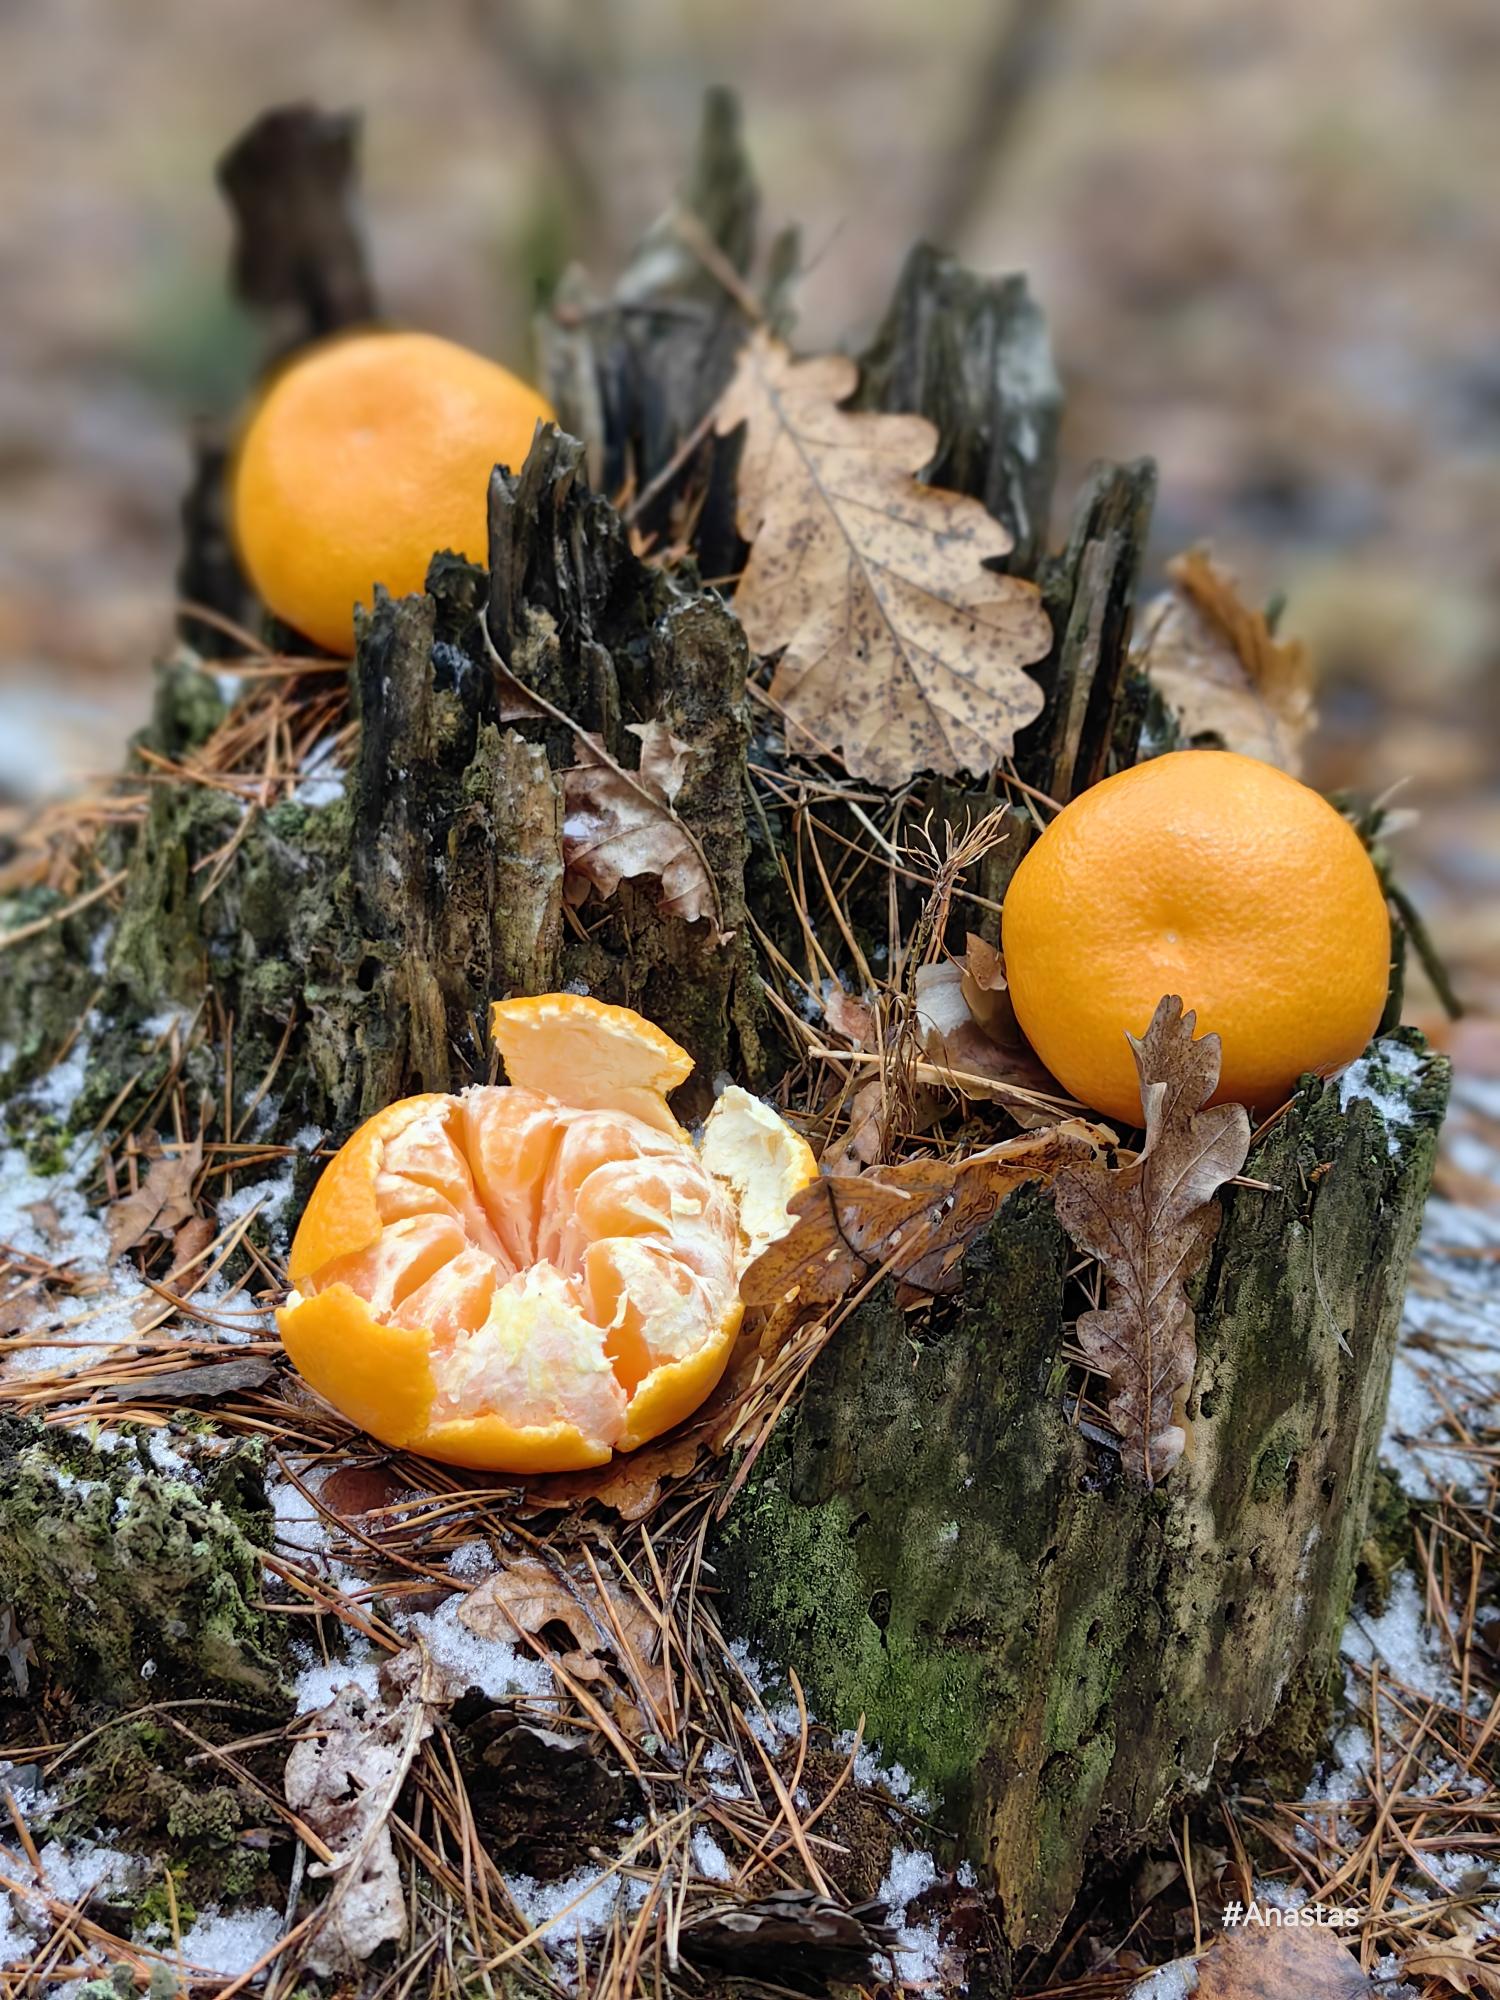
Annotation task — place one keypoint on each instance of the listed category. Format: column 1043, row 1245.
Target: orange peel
column 530, row 1276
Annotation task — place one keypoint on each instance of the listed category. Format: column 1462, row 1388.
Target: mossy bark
column 131, row 1582
column 1060, row 1656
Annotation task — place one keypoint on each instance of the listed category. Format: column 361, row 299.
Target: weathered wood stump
column 1057, row 1655
column 930, row 1539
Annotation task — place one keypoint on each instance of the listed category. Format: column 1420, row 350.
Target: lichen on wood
column 134, row 1582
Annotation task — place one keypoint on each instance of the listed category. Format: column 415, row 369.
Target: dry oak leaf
column 1150, row 1225
column 1217, row 666
column 344, row 1775
column 630, row 1485
column 162, row 1202
column 1456, row 1961
column 527, row 1596
column 901, row 650
column 616, row 827
column 977, row 1061
column 1278, row 1962
column 916, row 1219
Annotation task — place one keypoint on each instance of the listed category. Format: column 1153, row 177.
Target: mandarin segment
column 528, row 1276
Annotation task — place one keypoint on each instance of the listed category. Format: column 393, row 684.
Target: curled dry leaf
column 630, row 1485
column 916, row 1220
column 789, row 1933
column 848, row 1015
column 527, row 1596
column 162, row 1202
column 1150, row 1225
column 617, row 826
column 1270, row 1962
column 901, row 650
column 994, row 1064
column 1218, row 668
column 1456, row 1961
column 344, row 1775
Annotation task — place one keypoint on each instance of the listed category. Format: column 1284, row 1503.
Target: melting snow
column 318, row 1682
column 496, row 1668
column 1169, row 1982
column 322, row 783
column 268, row 1199
column 919, row 1950
column 1368, row 1078
column 1400, row 1640
column 230, row 1944
column 710, row 1860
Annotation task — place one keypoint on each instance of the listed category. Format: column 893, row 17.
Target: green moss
column 156, row 1908
column 1387, row 1546
column 131, row 1584
column 1274, row 1464
column 1060, row 1655
column 1283, row 1757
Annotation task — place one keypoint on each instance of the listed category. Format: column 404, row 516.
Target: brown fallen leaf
column 202, row 1384
column 917, row 1219
column 161, row 1204
column 1150, row 1225
column 1456, row 1961
column 189, row 1243
column 901, row 649
column 783, row 1936
column 1275, row 1962
column 630, row 1485
column 617, row 827
column 982, row 1065
column 848, row 1015
column 344, row 1775
column 1218, row 668
column 528, row 1595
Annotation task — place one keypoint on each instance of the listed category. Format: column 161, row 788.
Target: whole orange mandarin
column 360, row 461
column 1215, row 877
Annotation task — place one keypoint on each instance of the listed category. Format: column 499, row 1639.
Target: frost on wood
column 123, row 1573
column 1056, row 1653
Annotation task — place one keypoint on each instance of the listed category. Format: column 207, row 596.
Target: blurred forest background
column 1268, row 239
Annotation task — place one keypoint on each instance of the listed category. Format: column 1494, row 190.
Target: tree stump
column 1058, row 1656
column 929, row 1538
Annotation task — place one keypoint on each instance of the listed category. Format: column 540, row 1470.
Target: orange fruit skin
column 1215, row 877
column 380, row 1374
column 364, row 457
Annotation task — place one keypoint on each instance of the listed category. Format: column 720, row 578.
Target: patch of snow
column 74, row 1869
column 471, row 1560
column 322, row 782
column 1168, row 1982
column 1400, row 1640
column 308, row 1139
column 919, row 1951
column 156, row 1027
column 231, row 1943
column 496, row 1668
column 541, row 1902
column 1387, row 1059
column 60, row 1089
column 320, row 1680
column 710, row 1860
column 268, row 1199
column 165, row 1457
